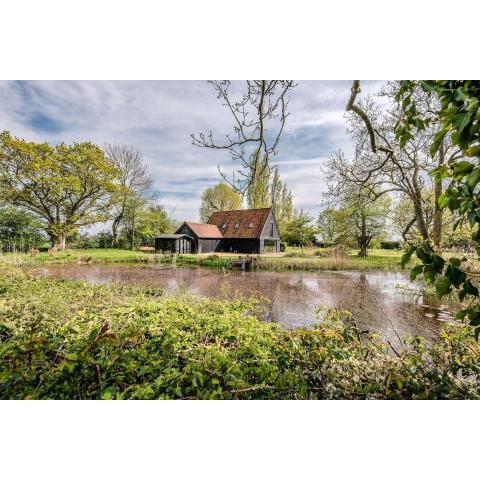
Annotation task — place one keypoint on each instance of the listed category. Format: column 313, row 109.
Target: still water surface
column 377, row 299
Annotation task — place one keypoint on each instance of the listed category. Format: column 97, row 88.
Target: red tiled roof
column 250, row 222
column 203, row 230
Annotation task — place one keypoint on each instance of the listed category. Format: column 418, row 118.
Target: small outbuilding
column 173, row 243
column 235, row 231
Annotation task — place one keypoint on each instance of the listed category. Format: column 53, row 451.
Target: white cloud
column 157, row 117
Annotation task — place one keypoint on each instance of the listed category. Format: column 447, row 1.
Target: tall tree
column 66, row 186
column 281, row 200
column 151, row 220
column 300, row 230
column 333, row 225
column 259, row 113
column 258, row 191
column 363, row 214
column 135, row 183
column 219, row 198
column 383, row 162
column 19, row 229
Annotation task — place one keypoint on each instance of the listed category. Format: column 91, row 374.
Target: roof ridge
column 242, row 210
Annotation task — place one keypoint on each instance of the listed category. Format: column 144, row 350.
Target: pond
column 380, row 301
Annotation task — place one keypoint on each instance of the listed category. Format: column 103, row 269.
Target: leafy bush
column 390, row 245
column 322, row 244
column 283, row 246
column 68, row 339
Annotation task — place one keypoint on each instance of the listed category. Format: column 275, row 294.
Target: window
column 271, row 229
column 237, row 225
column 224, row 226
column 250, row 225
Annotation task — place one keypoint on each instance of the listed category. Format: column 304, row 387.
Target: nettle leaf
column 462, row 168
column 444, row 200
column 462, row 120
column 406, row 136
column 424, row 253
column 473, row 178
column 443, row 286
column 429, row 275
column 439, row 173
column 460, row 95
column 455, row 274
column 417, row 270
column 475, row 322
column 468, row 289
column 476, row 236
column 437, row 140
column 460, row 315
column 438, row 263
column 428, row 86
column 455, row 261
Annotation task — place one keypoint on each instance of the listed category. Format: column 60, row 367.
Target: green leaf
column 477, row 333
column 468, row 289
column 407, row 255
column 417, row 270
column 455, row 261
column 437, row 140
column 443, row 286
column 429, row 275
column 462, row 168
column 473, row 178
column 428, row 86
column 455, row 274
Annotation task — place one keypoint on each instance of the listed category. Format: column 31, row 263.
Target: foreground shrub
column 67, row 339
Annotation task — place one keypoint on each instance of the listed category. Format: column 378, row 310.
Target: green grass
column 72, row 340
column 94, row 255
column 377, row 259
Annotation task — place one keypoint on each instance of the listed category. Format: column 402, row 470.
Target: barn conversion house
column 235, row 231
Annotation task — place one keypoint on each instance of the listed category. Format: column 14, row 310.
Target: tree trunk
column 438, row 213
column 418, row 207
column 407, row 228
column 115, row 224
column 57, row 240
column 363, row 241
column 132, row 237
column 61, row 240
column 420, row 220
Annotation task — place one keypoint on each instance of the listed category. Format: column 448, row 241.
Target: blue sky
column 157, row 117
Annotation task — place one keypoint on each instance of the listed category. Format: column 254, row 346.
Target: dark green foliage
column 65, row 339
column 459, row 117
column 19, row 230
column 390, row 245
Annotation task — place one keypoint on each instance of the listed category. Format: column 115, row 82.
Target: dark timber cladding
column 236, row 231
column 173, row 244
column 205, row 238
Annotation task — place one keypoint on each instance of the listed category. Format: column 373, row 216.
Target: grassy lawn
column 95, row 255
column 72, row 340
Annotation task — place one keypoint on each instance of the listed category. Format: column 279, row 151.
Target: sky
column 157, row 118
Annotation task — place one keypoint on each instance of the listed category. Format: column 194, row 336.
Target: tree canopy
column 66, row 186
column 218, row 198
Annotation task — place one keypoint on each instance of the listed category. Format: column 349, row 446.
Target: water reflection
column 380, row 301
